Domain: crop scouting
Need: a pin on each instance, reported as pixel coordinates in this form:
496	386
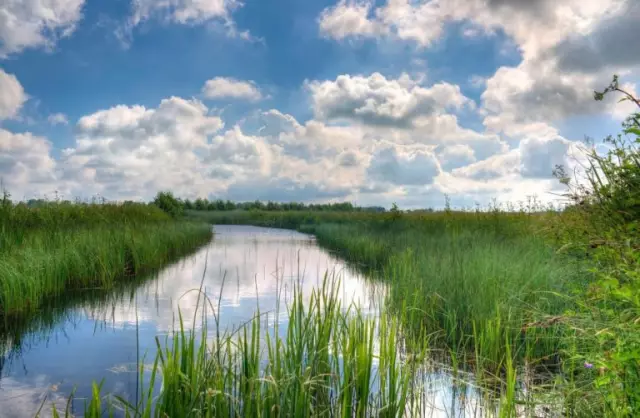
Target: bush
605	355
168	203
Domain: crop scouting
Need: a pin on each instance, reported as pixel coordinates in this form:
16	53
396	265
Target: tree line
168	202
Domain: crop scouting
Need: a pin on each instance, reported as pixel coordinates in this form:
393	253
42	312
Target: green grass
331	360
61	247
470	280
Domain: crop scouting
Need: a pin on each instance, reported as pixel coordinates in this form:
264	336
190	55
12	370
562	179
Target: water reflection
92	336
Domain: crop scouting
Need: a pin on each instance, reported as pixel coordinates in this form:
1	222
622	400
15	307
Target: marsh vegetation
525	311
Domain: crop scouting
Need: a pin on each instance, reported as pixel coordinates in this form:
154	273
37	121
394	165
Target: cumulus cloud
58	119
539	156
534	25
235	148
535	158
414	166
455	156
216	14
310	141
132	151
613	43
416	22
565	46
226	87
12	95
283	189
348	19
535	92
26	165
376	100
36	23
183	11
494	167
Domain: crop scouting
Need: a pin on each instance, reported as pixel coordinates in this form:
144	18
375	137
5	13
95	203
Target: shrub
168	203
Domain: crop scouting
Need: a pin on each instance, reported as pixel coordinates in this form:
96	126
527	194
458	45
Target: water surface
105	336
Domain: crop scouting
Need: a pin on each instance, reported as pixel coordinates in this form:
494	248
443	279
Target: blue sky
371	102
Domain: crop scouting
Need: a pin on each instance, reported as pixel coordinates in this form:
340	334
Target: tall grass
50	250
472	281
331	360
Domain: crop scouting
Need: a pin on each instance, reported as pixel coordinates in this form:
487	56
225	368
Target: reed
57	248
330	360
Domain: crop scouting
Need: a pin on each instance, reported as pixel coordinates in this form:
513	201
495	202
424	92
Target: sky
366	101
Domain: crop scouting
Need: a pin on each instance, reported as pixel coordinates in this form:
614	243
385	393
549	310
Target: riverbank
471	281
58	247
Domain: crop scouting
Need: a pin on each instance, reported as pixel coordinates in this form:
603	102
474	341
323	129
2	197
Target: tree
168	203
201	204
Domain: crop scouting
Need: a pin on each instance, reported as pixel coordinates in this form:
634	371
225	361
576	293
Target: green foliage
47	265
53	247
221	205
605	323
168	203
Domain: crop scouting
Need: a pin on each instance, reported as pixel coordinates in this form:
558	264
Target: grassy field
50	250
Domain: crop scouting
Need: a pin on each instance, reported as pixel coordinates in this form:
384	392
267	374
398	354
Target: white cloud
183	11
235	148
568	48
404	166
375	100
534	25
539	156
283	189
226	87
348	19
12	95
58	119
613	43
132	151
455	156
26	164
535	91
496	166
35	23
535	158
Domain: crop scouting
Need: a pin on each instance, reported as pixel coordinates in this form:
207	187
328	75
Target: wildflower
588	365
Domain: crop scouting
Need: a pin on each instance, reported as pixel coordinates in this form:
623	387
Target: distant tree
188	204
201	204
168	203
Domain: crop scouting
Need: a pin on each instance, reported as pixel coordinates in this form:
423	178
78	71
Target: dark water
104	336
99	336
